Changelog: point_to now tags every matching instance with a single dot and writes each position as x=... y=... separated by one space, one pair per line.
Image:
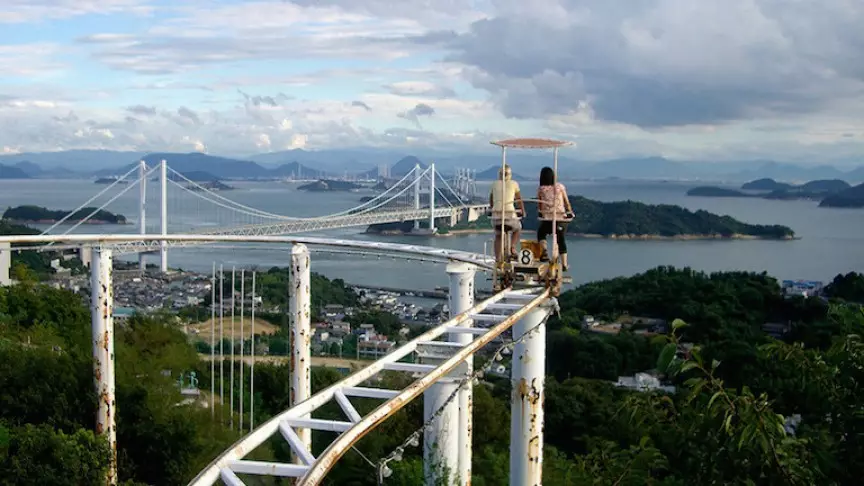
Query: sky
x=711 y=80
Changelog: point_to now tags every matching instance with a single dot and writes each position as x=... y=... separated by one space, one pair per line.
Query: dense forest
x=748 y=409
x=32 y=214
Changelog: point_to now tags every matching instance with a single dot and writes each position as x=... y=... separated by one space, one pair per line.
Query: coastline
x=597 y=236
x=71 y=221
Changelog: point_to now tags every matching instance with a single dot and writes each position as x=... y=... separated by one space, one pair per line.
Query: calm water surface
x=831 y=240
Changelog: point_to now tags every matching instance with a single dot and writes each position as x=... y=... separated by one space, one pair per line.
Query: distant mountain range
x=304 y=164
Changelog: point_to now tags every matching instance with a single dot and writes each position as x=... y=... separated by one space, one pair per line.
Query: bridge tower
x=163 y=245
x=142 y=210
x=417 y=194
x=432 y=228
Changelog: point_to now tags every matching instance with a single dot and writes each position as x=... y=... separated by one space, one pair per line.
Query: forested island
x=771 y=189
x=631 y=220
x=210 y=186
x=850 y=198
x=327 y=185
x=746 y=408
x=39 y=215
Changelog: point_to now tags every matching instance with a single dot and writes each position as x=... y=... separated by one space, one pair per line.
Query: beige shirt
x=500 y=205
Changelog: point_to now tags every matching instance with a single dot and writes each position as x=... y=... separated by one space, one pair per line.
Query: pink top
x=546 y=195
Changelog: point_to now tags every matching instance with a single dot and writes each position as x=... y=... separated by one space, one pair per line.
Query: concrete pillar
x=102 y=324
x=526 y=400
x=5 y=264
x=142 y=210
x=301 y=334
x=441 y=439
x=163 y=244
x=85 y=254
x=461 y=298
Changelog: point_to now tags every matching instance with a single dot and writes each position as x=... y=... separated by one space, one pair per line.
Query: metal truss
x=498 y=314
x=301 y=226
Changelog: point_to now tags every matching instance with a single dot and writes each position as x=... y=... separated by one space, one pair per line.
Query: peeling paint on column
x=528 y=371
x=301 y=333
x=102 y=328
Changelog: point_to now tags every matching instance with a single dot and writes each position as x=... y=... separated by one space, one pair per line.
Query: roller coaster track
x=523 y=310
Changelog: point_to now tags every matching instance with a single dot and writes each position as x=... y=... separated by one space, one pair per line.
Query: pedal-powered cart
x=527 y=270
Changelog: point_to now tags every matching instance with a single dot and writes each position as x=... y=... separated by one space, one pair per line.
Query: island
x=816 y=190
x=109 y=180
x=849 y=198
x=210 y=186
x=329 y=185
x=712 y=191
x=629 y=220
x=765 y=184
x=40 y=215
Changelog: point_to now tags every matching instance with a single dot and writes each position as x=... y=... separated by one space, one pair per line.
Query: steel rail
x=344 y=442
x=394 y=248
x=257 y=437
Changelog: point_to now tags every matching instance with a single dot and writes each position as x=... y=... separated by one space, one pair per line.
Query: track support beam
x=102 y=326
x=301 y=335
x=526 y=399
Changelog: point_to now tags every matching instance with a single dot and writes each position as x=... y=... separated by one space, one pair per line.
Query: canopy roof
x=532 y=143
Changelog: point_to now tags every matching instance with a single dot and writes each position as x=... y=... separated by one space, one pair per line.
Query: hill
x=849 y=198
x=37 y=214
x=8 y=172
x=765 y=184
x=491 y=174
x=221 y=167
x=405 y=165
x=817 y=189
x=711 y=191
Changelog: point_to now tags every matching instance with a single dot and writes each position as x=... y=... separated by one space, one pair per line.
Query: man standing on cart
x=502 y=198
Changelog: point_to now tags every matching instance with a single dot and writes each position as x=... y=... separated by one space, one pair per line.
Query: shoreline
x=69 y=221
x=597 y=236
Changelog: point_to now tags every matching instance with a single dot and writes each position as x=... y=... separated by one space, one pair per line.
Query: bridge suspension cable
x=103 y=191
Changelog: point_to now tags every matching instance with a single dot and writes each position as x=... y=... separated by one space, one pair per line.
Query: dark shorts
x=510 y=224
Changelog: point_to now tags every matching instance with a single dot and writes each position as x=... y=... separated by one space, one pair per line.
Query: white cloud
x=707 y=79
x=29 y=60
x=20 y=11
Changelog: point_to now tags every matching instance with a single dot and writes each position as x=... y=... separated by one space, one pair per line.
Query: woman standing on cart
x=553 y=204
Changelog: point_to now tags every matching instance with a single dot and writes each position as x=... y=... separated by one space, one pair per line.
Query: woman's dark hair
x=547 y=176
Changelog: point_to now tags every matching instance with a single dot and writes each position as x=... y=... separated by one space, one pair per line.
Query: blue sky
x=713 y=80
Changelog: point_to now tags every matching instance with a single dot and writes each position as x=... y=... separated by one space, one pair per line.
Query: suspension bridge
x=187 y=206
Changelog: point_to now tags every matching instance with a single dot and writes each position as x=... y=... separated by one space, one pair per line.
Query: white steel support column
x=441 y=439
x=432 y=198
x=163 y=245
x=301 y=334
x=417 y=193
x=5 y=264
x=142 y=210
x=526 y=398
x=462 y=299
x=102 y=326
